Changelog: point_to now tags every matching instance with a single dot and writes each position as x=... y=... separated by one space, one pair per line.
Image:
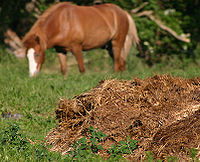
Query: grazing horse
x=68 y=27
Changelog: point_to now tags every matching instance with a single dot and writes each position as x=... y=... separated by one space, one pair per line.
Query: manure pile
x=162 y=113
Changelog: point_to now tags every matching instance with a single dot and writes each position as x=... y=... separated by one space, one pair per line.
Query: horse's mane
x=36 y=28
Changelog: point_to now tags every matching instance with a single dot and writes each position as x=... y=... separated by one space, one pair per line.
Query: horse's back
x=100 y=23
x=66 y=24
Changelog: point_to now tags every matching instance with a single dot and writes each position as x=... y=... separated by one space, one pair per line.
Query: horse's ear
x=31 y=40
x=37 y=39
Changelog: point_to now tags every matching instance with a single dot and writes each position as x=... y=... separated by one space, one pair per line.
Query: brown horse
x=68 y=27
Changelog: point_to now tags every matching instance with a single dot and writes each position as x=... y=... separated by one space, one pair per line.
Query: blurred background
x=169 y=30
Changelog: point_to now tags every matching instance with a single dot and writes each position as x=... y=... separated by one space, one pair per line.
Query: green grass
x=37 y=98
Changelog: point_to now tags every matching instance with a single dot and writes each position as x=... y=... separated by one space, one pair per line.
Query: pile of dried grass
x=178 y=138
x=143 y=109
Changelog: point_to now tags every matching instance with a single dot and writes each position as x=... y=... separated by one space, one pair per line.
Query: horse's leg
x=63 y=65
x=119 y=64
x=122 y=61
x=77 y=51
x=122 y=64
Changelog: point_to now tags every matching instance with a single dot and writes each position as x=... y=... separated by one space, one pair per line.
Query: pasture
x=36 y=99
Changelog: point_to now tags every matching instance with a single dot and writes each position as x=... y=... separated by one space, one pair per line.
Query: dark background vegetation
x=181 y=15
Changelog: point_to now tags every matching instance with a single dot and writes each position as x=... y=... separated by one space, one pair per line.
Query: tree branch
x=15 y=44
x=135 y=10
x=162 y=26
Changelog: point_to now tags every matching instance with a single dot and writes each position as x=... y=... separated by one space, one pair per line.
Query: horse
x=71 y=28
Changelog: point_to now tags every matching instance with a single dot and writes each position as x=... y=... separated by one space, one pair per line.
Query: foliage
x=10 y=12
x=124 y=147
x=125 y=4
x=172 y=159
x=91 y=145
x=95 y=138
x=158 y=44
x=84 y=146
x=17 y=16
x=149 y=157
x=193 y=155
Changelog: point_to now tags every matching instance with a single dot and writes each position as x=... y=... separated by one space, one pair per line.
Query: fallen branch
x=15 y=44
x=32 y=7
x=135 y=10
x=13 y=36
x=97 y=2
x=162 y=26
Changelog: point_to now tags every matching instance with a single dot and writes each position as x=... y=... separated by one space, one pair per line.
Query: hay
x=147 y=110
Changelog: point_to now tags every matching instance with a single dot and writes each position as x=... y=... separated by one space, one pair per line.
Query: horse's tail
x=131 y=37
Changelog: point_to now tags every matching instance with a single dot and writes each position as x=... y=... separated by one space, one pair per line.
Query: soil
x=162 y=113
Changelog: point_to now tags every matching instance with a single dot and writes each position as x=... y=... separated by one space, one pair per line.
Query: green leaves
x=124 y=147
x=92 y=145
x=96 y=134
x=83 y=146
x=193 y=154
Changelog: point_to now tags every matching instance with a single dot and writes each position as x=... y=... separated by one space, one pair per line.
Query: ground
x=162 y=113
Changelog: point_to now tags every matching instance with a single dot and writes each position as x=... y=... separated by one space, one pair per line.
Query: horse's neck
x=43 y=40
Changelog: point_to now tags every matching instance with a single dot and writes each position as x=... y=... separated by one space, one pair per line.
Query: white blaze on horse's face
x=32 y=63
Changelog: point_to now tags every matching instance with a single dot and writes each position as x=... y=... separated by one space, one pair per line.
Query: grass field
x=37 y=98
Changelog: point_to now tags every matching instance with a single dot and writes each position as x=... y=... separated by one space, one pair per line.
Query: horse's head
x=35 y=54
